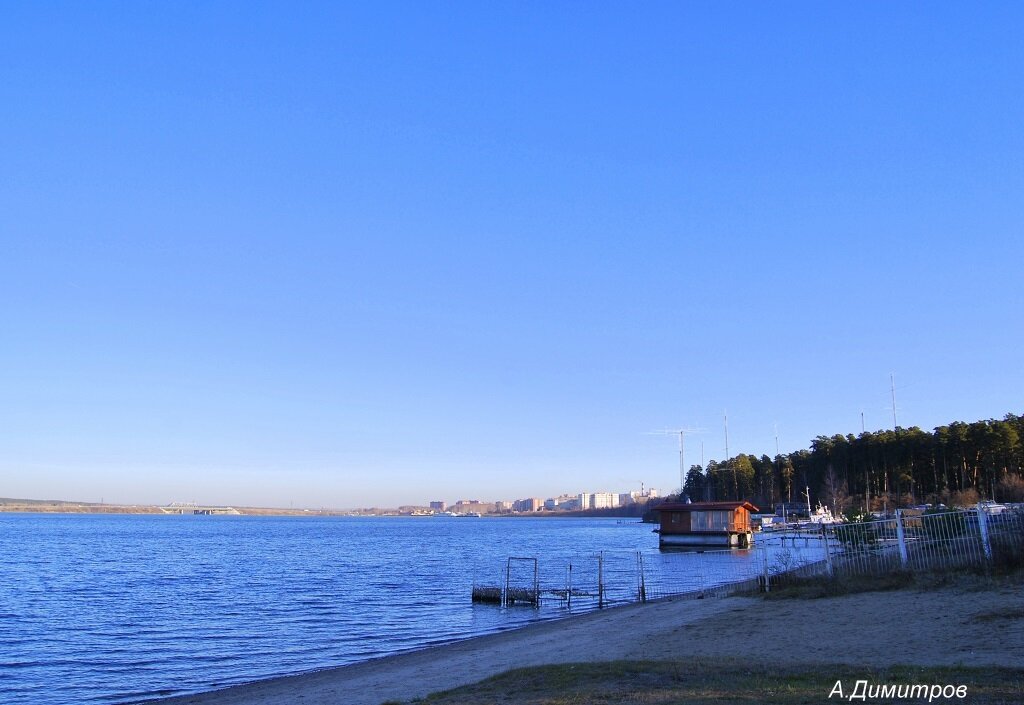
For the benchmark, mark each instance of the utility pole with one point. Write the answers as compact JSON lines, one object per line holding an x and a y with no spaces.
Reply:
{"x":895,"y":428}
{"x":728,"y":458}
{"x":707,"y":484}
{"x":682,"y":462}
{"x":682,"y":449}
{"x":867,"y":493}
{"x":726,"y":416}
{"x":778,"y":465}
{"x":867,"y":481}
{"x":892,"y":384}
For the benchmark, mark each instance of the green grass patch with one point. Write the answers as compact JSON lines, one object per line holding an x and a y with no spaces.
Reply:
{"x":715,"y":682}
{"x":819,"y":586}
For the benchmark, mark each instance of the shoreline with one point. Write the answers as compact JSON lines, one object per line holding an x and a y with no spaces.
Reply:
{"x":419,"y":672}
{"x":74,"y":509}
{"x":861,"y":629}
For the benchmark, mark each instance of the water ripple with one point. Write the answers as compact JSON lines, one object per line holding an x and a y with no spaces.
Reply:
{"x":116,"y":609}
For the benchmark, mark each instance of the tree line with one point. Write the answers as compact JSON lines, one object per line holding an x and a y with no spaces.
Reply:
{"x":957,"y":465}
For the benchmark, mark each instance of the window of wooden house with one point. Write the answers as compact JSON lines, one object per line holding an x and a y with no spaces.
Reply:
{"x":710,"y":521}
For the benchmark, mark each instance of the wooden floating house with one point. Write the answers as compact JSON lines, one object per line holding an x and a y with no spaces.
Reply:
{"x":706,"y":525}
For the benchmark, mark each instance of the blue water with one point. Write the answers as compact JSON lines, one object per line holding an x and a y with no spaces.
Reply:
{"x":114,"y":609}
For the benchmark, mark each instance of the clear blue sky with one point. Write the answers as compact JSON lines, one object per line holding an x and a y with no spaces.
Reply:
{"x":383,"y":253}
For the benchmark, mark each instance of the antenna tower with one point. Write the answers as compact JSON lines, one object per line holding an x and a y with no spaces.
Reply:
{"x":681,"y":432}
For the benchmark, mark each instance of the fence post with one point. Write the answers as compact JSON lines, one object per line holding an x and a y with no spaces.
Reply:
{"x":767,"y":573}
{"x":901,"y":538}
{"x":986,"y":544}
{"x":828,"y":553}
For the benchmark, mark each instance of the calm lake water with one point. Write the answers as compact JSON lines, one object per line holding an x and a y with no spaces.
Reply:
{"x":116,"y":609}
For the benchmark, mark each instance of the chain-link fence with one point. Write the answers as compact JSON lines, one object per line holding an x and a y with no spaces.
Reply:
{"x":929,"y":541}
{"x":914,"y":542}
{"x":906,"y":542}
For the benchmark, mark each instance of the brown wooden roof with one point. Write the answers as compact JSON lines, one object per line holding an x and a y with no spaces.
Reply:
{"x":703,"y":506}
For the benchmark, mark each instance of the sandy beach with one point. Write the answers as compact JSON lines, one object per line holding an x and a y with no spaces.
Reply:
{"x":946,"y":626}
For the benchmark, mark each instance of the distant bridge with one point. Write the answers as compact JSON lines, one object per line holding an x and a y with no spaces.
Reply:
{"x":192,"y":508}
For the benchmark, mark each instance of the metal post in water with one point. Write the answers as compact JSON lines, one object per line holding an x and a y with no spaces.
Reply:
{"x":640,"y":567}
{"x":536,"y":584}
{"x":508,"y":571}
{"x":600,"y":579}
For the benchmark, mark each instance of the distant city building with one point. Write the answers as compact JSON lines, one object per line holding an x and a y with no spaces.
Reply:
{"x":570,"y":504}
{"x":528,"y":505}
{"x":641,"y":497}
{"x":473,"y":505}
{"x":598,"y":500}
{"x":605,"y":500}
{"x":562,"y":503}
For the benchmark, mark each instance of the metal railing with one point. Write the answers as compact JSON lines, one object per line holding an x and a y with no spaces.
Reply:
{"x":919,"y":542}
{"x":609,"y":578}
{"x":906,"y":542}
